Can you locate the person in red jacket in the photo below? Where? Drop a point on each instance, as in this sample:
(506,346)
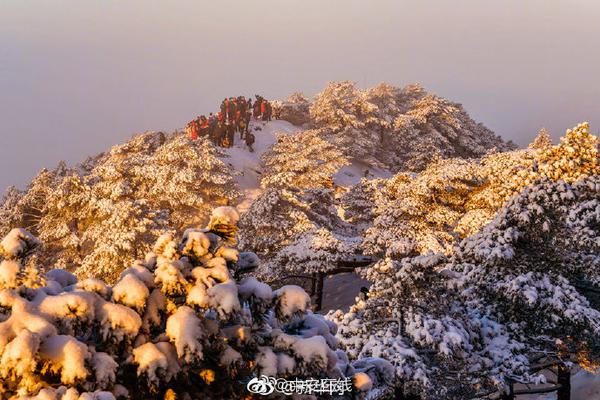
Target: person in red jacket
(204,128)
(268,111)
(193,129)
(263,109)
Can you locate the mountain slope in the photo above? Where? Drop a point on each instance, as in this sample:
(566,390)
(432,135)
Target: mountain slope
(157,181)
(248,166)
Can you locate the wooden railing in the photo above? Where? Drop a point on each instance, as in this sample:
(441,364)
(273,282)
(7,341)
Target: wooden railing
(561,384)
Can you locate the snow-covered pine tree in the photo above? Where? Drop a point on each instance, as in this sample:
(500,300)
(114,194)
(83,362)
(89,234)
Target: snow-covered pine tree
(506,174)
(68,211)
(524,264)
(342,105)
(315,251)
(575,157)
(175,322)
(409,94)
(388,100)
(350,118)
(110,215)
(94,235)
(400,129)
(360,200)
(184,177)
(303,161)
(118,173)
(458,326)
(122,231)
(503,174)
(441,346)
(190,178)
(28,210)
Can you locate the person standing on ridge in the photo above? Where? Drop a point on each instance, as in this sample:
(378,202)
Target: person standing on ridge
(238,119)
(268,111)
(242,127)
(192,128)
(257,108)
(218,134)
(211,125)
(231,106)
(224,106)
(263,110)
(203,126)
(248,117)
(250,141)
(229,134)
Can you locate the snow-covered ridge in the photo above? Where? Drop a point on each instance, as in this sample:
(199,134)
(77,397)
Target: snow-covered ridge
(248,166)
(93,215)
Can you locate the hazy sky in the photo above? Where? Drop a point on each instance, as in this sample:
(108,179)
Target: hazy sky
(79,76)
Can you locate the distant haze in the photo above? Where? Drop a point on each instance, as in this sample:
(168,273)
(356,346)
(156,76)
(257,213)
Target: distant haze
(77,77)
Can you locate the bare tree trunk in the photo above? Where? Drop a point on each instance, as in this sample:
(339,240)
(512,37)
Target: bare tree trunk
(313,284)
(319,302)
(511,392)
(564,380)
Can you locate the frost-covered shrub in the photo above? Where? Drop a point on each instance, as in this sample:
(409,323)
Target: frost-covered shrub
(175,322)
(277,216)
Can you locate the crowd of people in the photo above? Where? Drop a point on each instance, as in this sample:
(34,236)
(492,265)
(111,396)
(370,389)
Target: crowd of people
(234,117)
